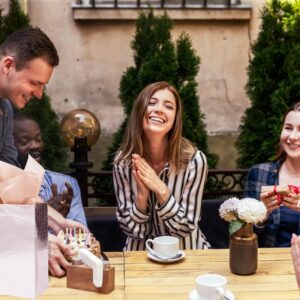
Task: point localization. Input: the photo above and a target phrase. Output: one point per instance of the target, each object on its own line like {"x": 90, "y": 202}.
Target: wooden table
{"x": 138, "y": 278}
{"x": 274, "y": 279}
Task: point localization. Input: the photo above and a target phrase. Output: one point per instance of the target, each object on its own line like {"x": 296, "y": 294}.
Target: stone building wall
{"x": 94, "y": 49}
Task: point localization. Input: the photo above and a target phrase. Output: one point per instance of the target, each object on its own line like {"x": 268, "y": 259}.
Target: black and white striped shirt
{"x": 179, "y": 216}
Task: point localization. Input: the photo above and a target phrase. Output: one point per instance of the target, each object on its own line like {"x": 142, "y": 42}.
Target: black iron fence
{"x": 182, "y": 4}
{"x": 220, "y": 184}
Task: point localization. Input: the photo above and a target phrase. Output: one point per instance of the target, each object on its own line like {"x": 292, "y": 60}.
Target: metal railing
{"x": 220, "y": 184}
{"x": 181, "y": 4}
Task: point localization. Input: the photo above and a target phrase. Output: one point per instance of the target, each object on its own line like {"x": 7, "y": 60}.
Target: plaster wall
{"x": 95, "y": 53}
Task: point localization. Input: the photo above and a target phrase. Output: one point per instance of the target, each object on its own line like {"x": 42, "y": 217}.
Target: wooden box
{"x": 81, "y": 277}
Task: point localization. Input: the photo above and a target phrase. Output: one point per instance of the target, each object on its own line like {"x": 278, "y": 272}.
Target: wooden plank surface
{"x": 274, "y": 278}
{"x": 139, "y": 278}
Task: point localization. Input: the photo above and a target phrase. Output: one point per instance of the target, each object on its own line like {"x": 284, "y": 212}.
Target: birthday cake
{"x": 89, "y": 269}
{"x": 80, "y": 239}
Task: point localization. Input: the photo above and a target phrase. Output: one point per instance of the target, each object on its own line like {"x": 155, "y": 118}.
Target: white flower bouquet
{"x": 240, "y": 212}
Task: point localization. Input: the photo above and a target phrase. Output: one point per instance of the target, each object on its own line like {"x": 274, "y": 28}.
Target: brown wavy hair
{"x": 281, "y": 154}
{"x": 179, "y": 149}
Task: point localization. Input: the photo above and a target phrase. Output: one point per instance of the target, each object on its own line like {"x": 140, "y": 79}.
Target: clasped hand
{"x": 61, "y": 202}
{"x": 147, "y": 180}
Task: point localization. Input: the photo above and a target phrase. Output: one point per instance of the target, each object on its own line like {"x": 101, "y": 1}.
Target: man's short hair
{"x": 19, "y": 116}
{"x": 27, "y": 44}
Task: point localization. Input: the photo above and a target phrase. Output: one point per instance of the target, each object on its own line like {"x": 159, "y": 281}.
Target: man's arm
{"x": 57, "y": 222}
{"x": 76, "y": 210}
{"x": 8, "y": 151}
{"x": 63, "y": 193}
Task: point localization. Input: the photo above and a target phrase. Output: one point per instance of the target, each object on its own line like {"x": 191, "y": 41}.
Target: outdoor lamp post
{"x": 80, "y": 129}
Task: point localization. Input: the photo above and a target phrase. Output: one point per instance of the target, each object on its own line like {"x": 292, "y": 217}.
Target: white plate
{"x": 194, "y": 295}
{"x": 180, "y": 256}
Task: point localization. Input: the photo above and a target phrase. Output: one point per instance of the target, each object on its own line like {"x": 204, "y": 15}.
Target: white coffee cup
{"x": 163, "y": 247}
{"x": 211, "y": 286}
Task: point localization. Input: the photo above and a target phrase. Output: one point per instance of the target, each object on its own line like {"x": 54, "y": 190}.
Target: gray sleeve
{"x": 8, "y": 151}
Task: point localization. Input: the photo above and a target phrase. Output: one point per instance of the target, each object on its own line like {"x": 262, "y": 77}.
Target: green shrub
{"x": 55, "y": 154}
{"x": 157, "y": 58}
{"x": 274, "y": 81}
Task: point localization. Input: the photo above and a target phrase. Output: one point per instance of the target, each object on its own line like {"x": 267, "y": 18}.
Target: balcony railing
{"x": 220, "y": 184}
{"x": 171, "y": 4}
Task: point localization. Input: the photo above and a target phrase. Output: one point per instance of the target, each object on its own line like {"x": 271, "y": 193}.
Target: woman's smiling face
{"x": 161, "y": 113}
{"x": 290, "y": 135}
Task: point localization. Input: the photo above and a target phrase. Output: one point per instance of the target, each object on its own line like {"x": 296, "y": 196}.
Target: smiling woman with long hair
{"x": 159, "y": 176}
{"x": 283, "y": 218}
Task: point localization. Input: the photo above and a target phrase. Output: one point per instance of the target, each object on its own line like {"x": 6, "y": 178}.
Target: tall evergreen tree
{"x": 55, "y": 153}
{"x": 157, "y": 58}
{"x": 274, "y": 81}
{"x": 15, "y": 19}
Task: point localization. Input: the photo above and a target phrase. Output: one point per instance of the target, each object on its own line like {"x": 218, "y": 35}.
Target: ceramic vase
{"x": 243, "y": 251}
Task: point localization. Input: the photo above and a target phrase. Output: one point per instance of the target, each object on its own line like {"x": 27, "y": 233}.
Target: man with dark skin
{"x": 60, "y": 191}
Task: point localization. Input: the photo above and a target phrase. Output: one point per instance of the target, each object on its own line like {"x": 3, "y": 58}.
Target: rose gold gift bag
{"x": 23, "y": 250}
{"x": 24, "y": 232}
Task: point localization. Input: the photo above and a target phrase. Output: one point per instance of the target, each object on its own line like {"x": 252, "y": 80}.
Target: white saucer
{"x": 180, "y": 256}
{"x": 194, "y": 295}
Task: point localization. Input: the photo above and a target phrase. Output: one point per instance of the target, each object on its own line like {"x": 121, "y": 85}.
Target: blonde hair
{"x": 179, "y": 150}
